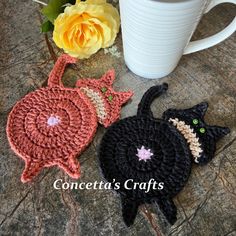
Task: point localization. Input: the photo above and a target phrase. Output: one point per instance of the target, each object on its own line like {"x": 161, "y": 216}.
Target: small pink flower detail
{"x": 144, "y": 154}
{"x": 53, "y": 120}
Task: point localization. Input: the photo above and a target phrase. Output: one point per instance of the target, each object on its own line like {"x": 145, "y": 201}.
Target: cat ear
{"x": 124, "y": 96}
{"x": 218, "y": 132}
{"x": 200, "y": 109}
{"x": 108, "y": 78}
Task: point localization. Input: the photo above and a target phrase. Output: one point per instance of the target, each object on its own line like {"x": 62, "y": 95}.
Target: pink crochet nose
{"x": 53, "y": 120}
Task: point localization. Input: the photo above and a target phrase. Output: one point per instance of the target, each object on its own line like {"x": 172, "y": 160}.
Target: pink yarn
{"x": 52, "y": 126}
{"x": 144, "y": 154}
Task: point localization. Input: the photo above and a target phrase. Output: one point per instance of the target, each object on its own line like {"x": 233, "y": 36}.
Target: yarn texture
{"x": 52, "y": 126}
{"x": 142, "y": 148}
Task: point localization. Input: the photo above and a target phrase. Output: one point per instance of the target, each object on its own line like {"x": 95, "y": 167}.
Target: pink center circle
{"x": 53, "y": 120}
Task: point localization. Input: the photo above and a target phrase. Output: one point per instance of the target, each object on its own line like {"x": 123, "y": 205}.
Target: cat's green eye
{"x": 202, "y": 130}
{"x": 104, "y": 89}
{"x": 195, "y": 121}
{"x": 110, "y": 98}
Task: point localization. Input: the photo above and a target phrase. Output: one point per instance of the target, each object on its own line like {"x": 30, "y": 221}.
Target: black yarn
{"x": 129, "y": 210}
{"x": 171, "y": 160}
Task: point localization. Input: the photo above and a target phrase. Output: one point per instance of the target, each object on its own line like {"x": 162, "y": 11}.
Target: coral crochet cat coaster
{"x": 140, "y": 150}
{"x": 51, "y": 126}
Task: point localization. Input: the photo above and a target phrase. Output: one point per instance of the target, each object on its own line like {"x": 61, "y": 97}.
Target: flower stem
{"x": 40, "y": 2}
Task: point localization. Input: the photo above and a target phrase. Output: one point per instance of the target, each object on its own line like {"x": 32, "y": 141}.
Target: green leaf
{"x": 47, "y": 26}
{"x": 54, "y": 8}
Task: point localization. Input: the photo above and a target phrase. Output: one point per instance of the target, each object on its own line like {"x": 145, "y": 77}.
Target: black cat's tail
{"x": 144, "y": 107}
{"x": 129, "y": 210}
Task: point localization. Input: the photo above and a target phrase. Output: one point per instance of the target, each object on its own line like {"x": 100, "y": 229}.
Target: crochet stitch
{"x": 52, "y": 125}
{"x": 142, "y": 148}
{"x": 107, "y": 101}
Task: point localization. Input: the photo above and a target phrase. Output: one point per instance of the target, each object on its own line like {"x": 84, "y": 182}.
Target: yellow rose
{"x": 86, "y": 27}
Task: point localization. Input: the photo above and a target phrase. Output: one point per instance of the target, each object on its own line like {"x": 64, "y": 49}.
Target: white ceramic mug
{"x": 156, "y": 33}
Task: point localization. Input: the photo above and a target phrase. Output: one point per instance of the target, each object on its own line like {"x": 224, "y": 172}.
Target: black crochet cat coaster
{"x": 143, "y": 149}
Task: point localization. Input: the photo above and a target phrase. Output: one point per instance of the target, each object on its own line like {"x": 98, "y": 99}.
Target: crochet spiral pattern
{"x": 142, "y": 148}
{"x": 53, "y": 125}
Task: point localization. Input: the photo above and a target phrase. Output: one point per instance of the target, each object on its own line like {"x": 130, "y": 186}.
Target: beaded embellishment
{"x": 52, "y": 125}
{"x": 142, "y": 148}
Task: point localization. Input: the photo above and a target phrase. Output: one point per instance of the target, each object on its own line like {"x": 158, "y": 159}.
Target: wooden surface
{"x": 207, "y": 204}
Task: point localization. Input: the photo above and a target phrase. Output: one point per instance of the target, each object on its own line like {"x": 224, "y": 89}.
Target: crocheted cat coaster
{"x": 53, "y": 125}
{"x": 143, "y": 149}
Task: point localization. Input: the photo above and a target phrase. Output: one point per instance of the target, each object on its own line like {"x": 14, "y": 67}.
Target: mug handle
{"x": 208, "y": 42}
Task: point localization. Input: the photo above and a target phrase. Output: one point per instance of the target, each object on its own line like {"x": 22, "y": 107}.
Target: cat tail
{"x": 144, "y": 107}
{"x": 129, "y": 210}
{"x": 55, "y": 75}
{"x": 168, "y": 209}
